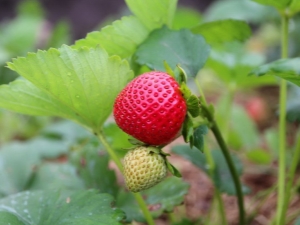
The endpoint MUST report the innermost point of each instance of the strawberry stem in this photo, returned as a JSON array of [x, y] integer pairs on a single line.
[[138, 197]]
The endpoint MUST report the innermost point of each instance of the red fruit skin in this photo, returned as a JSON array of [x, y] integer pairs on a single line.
[[151, 108]]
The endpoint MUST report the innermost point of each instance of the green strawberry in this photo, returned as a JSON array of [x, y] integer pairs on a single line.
[[143, 168]]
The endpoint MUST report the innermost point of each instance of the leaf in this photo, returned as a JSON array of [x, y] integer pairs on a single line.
[[294, 7], [60, 176], [233, 63], [153, 13], [10, 219], [23, 97], [93, 168], [288, 69], [52, 207], [223, 31], [245, 128], [163, 197], [240, 10], [167, 194], [121, 38], [199, 137], [186, 18], [116, 137], [16, 167], [221, 174], [293, 104], [279, 4], [85, 82], [182, 47], [259, 156]]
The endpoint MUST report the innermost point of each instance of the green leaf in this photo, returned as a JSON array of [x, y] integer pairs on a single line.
[[279, 4], [244, 127], [8, 218], [116, 137], [153, 13], [23, 97], [16, 167], [221, 174], [85, 82], [223, 31], [259, 156], [199, 137], [182, 47], [93, 168], [121, 38], [60, 176], [294, 7], [166, 195], [52, 207], [240, 10], [288, 69], [233, 63], [163, 197], [186, 18]]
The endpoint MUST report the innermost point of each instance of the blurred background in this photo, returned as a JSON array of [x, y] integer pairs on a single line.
[[82, 15]]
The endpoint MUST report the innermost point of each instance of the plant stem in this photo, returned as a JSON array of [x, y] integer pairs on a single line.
[[282, 127], [138, 197], [216, 131], [291, 176]]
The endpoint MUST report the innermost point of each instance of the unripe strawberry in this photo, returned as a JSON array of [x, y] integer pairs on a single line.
[[151, 108], [143, 168]]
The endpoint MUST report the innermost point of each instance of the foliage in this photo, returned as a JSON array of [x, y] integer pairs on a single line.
[[55, 163]]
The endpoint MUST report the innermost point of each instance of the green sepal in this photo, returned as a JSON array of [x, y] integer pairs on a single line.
[[188, 129], [192, 102], [173, 169], [169, 69], [182, 76]]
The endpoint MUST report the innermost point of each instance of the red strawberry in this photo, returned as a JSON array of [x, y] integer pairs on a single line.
[[151, 108]]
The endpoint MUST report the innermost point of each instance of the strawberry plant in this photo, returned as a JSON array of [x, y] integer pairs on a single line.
[[126, 100]]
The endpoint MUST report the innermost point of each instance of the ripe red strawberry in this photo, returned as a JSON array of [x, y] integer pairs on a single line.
[[151, 108]]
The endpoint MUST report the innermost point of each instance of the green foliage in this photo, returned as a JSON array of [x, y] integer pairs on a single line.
[[79, 85], [259, 156], [160, 198], [182, 47], [240, 10], [279, 4], [54, 207], [186, 18], [121, 38], [221, 175], [294, 7], [143, 10], [232, 63], [288, 69], [245, 128], [92, 168], [223, 31]]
